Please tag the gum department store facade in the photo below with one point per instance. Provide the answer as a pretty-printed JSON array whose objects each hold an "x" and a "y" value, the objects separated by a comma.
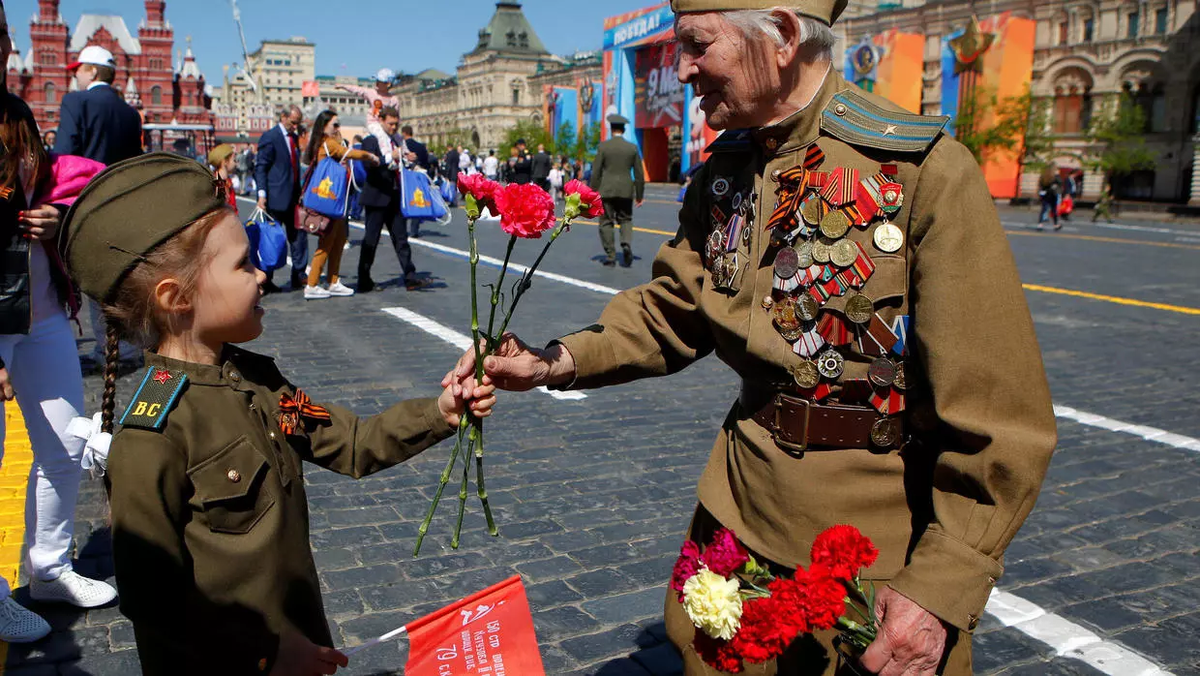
[{"x": 1087, "y": 52}]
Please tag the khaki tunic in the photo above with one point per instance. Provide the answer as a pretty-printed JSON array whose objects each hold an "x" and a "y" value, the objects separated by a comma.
[
  {"x": 210, "y": 517},
  {"x": 979, "y": 422}
]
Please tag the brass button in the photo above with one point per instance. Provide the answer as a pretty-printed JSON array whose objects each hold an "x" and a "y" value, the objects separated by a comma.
[
  {"x": 234, "y": 475},
  {"x": 235, "y": 376},
  {"x": 991, "y": 579},
  {"x": 271, "y": 434},
  {"x": 772, "y": 143},
  {"x": 839, "y": 109},
  {"x": 972, "y": 621},
  {"x": 253, "y": 407}
]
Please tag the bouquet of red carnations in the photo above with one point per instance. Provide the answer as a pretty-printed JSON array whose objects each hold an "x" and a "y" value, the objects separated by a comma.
[
  {"x": 744, "y": 613},
  {"x": 526, "y": 212}
]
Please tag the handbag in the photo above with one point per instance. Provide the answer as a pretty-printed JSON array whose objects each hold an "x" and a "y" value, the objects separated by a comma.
[
  {"x": 268, "y": 241},
  {"x": 327, "y": 189},
  {"x": 418, "y": 198}
]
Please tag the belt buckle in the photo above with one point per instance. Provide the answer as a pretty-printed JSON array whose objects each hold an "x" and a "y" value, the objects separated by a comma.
[{"x": 775, "y": 436}]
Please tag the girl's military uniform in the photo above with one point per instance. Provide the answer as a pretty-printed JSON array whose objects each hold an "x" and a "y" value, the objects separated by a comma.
[
  {"x": 849, "y": 264},
  {"x": 210, "y": 517}
]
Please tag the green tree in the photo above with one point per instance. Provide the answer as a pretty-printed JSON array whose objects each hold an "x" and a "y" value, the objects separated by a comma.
[
  {"x": 533, "y": 133},
  {"x": 1115, "y": 138},
  {"x": 564, "y": 140},
  {"x": 987, "y": 124},
  {"x": 587, "y": 143}
]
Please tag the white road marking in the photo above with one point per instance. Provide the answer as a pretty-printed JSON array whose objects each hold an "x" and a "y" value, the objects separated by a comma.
[
  {"x": 461, "y": 341},
  {"x": 1067, "y": 638},
  {"x": 496, "y": 262}
]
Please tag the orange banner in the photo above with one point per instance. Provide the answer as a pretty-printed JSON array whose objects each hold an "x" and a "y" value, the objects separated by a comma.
[
  {"x": 900, "y": 68},
  {"x": 489, "y": 633},
  {"x": 1008, "y": 69}
]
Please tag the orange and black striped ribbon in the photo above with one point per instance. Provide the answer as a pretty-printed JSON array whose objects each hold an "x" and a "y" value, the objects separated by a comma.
[
  {"x": 292, "y": 409},
  {"x": 814, "y": 157}
]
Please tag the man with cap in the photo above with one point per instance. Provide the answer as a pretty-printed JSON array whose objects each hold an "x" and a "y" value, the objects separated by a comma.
[
  {"x": 277, "y": 174},
  {"x": 521, "y": 165},
  {"x": 618, "y": 176},
  {"x": 845, "y": 259},
  {"x": 96, "y": 123}
]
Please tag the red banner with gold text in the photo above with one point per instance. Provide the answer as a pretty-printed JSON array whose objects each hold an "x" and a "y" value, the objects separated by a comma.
[{"x": 489, "y": 633}]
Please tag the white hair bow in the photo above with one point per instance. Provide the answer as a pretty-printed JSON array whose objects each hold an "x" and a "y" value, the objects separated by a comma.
[{"x": 95, "y": 453}]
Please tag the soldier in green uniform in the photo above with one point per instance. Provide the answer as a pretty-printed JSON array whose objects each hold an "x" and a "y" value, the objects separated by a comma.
[
  {"x": 617, "y": 175},
  {"x": 845, "y": 258},
  {"x": 209, "y": 512}
]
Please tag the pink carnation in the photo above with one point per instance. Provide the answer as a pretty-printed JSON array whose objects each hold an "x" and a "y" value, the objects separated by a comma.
[
  {"x": 525, "y": 210},
  {"x": 724, "y": 555},
  {"x": 687, "y": 565},
  {"x": 480, "y": 187},
  {"x": 589, "y": 200}
]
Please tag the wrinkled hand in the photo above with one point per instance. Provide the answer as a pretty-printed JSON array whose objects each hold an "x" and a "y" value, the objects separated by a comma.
[
  {"x": 517, "y": 367},
  {"x": 6, "y": 389},
  {"x": 459, "y": 393},
  {"x": 39, "y": 223},
  {"x": 299, "y": 656},
  {"x": 911, "y": 640}
]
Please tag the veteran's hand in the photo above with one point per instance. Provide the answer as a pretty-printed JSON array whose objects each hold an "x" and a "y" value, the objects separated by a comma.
[
  {"x": 911, "y": 640},
  {"x": 299, "y": 656},
  {"x": 39, "y": 223},
  {"x": 517, "y": 367}
]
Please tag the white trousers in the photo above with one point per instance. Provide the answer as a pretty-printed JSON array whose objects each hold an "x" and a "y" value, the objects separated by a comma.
[{"x": 44, "y": 372}]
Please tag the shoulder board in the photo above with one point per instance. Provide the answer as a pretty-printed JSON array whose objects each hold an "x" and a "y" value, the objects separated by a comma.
[
  {"x": 854, "y": 118},
  {"x": 155, "y": 397},
  {"x": 732, "y": 141}
]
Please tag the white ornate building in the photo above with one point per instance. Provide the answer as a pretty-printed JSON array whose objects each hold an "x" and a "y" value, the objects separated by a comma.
[{"x": 1086, "y": 53}]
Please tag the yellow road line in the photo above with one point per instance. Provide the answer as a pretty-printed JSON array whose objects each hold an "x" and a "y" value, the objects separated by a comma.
[
  {"x": 1107, "y": 240},
  {"x": 14, "y": 478},
  {"x": 1114, "y": 299},
  {"x": 635, "y": 229}
]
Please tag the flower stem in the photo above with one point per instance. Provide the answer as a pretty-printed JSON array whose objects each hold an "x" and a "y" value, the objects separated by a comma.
[
  {"x": 462, "y": 491},
  {"x": 528, "y": 276},
  {"x": 483, "y": 496},
  {"x": 491, "y": 337},
  {"x": 443, "y": 480}
]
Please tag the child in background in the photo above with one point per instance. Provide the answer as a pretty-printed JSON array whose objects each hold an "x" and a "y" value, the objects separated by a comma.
[
  {"x": 378, "y": 99},
  {"x": 208, "y": 506},
  {"x": 223, "y": 162}
]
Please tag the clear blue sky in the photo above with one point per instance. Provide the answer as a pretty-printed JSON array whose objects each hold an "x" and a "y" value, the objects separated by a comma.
[{"x": 353, "y": 37}]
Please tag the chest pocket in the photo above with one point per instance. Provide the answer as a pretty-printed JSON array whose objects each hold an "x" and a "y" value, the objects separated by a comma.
[{"x": 231, "y": 487}]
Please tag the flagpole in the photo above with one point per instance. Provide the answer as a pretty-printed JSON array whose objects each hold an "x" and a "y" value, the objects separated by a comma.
[{"x": 376, "y": 641}]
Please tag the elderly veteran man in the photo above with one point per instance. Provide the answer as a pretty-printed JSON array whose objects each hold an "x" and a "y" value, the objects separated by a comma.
[{"x": 846, "y": 260}]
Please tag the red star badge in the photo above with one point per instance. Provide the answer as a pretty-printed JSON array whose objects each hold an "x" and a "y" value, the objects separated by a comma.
[{"x": 162, "y": 376}]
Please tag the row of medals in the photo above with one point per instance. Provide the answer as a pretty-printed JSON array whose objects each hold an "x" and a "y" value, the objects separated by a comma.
[{"x": 818, "y": 239}]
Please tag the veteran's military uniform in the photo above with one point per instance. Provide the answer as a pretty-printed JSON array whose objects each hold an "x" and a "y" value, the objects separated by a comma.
[
  {"x": 848, "y": 263},
  {"x": 618, "y": 176},
  {"x": 210, "y": 522}
]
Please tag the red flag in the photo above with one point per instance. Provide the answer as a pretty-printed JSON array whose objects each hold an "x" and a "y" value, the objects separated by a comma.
[{"x": 489, "y": 633}]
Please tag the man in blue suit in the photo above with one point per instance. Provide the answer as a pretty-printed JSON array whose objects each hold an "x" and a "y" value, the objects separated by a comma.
[
  {"x": 277, "y": 173},
  {"x": 96, "y": 123}
]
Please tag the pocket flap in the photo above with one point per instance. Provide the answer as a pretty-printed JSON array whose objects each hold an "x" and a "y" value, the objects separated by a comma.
[
  {"x": 230, "y": 474},
  {"x": 889, "y": 281}
]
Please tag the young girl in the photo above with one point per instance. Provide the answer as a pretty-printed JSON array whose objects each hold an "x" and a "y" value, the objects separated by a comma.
[
  {"x": 377, "y": 99},
  {"x": 326, "y": 141},
  {"x": 209, "y": 513},
  {"x": 222, "y": 162}
]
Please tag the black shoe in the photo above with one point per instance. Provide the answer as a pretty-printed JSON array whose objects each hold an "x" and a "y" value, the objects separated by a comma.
[
  {"x": 627, "y": 252},
  {"x": 365, "y": 285},
  {"x": 298, "y": 282},
  {"x": 269, "y": 287},
  {"x": 417, "y": 284},
  {"x": 609, "y": 262}
]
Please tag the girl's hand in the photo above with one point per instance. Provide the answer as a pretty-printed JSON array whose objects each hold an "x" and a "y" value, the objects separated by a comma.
[
  {"x": 39, "y": 223},
  {"x": 6, "y": 389},
  {"x": 299, "y": 656},
  {"x": 460, "y": 393}
]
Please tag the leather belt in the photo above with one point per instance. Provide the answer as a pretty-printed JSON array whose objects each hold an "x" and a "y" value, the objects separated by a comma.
[{"x": 797, "y": 424}]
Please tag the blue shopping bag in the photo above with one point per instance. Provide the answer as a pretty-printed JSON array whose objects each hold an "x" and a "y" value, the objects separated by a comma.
[
  {"x": 327, "y": 190},
  {"x": 421, "y": 200},
  {"x": 268, "y": 241},
  {"x": 449, "y": 191}
]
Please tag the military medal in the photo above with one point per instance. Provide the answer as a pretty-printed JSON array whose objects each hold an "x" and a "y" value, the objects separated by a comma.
[
  {"x": 804, "y": 257},
  {"x": 892, "y": 196},
  {"x": 831, "y": 363},
  {"x": 888, "y": 238},
  {"x": 806, "y": 374},
  {"x": 843, "y": 253},
  {"x": 720, "y": 186},
  {"x": 807, "y": 308},
  {"x": 859, "y": 309},
  {"x": 882, "y": 372},
  {"x": 821, "y": 252},
  {"x": 812, "y": 210},
  {"x": 899, "y": 381},
  {"x": 885, "y": 432},
  {"x": 786, "y": 319},
  {"x": 835, "y": 224},
  {"x": 787, "y": 263},
  {"x": 713, "y": 248}
]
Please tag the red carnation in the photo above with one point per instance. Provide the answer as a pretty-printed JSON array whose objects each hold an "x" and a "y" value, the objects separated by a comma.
[
  {"x": 589, "y": 200},
  {"x": 724, "y": 555},
  {"x": 525, "y": 210},
  {"x": 761, "y": 637},
  {"x": 481, "y": 188},
  {"x": 823, "y": 596},
  {"x": 687, "y": 565},
  {"x": 790, "y": 607},
  {"x": 844, "y": 551},
  {"x": 717, "y": 653}
]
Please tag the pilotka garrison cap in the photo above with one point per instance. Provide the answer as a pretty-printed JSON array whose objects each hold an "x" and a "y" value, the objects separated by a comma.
[
  {"x": 127, "y": 211},
  {"x": 826, "y": 11}
]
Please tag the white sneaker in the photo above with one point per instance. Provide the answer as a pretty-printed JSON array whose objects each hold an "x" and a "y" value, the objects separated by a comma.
[
  {"x": 72, "y": 588},
  {"x": 339, "y": 289},
  {"x": 315, "y": 292},
  {"x": 19, "y": 624}
]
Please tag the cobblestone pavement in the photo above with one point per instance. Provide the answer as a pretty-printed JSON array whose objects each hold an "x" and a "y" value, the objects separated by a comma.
[{"x": 593, "y": 495}]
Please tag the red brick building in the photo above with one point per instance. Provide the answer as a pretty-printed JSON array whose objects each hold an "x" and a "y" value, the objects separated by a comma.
[{"x": 165, "y": 93}]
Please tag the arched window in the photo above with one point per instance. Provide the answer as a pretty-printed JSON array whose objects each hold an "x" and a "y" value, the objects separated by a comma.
[
  {"x": 1152, "y": 99},
  {"x": 156, "y": 95},
  {"x": 51, "y": 93},
  {"x": 1072, "y": 102}
]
